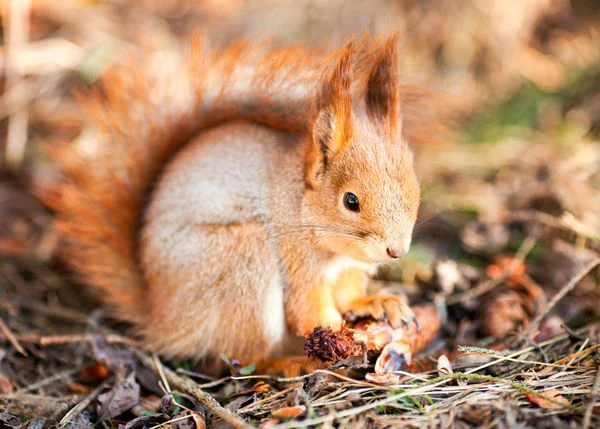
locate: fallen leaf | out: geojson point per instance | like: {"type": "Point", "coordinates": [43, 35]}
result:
{"type": "Point", "coordinates": [288, 412]}
{"type": "Point", "coordinates": [83, 420]}
{"type": "Point", "coordinates": [503, 263]}
{"type": "Point", "coordinates": [448, 276]}
{"type": "Point", "coordinates": [6, 386]}
{"type": "Point", "coordinates": [94, 373]}
{"type": "Point", "coordinates": [116, 359]}
{"type": "Point", "coordinates": [10, 420]}
{"type": "Point", "coordinates": [36, 424]}
{"type": "Point", "coordinates": [550, 327]}
{"type": "Point", "coordinates": [78, 388]}
{"type": "Point", "coordinates": [476, 415]}
{"type": "Point", "coordinates": [181, 422]}
{"type": "Point", "coordinates": [151, 403]}
{"type": "Point", "coordinates": [503, 313]}
{"type": "Point", "coordinates": [119, 399]}
{"type": "Point", "coordinates": [443, 366]}
{"type": "Point", "coordinates": [199, 419]}
{"type": "Point", "coordinates": [550, 399]}
{"type": "Point", "coordinates": [261, 387]}
{"type": "Point", "coordinates": [386, 379]}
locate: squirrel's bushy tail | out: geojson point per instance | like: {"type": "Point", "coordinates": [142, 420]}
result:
{"type": "Point", "coordinates": [140, 114]}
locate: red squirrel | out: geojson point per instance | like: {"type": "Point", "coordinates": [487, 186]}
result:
{"type": "Point", "coordinates": [236, 199]}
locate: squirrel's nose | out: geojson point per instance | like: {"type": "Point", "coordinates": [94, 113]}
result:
{"type": "Point", "coordinates": [398, 249]}
{"type": "Point", "coordinates": [395, 253]}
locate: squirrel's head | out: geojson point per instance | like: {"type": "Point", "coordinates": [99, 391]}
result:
{"type": "Point", "coordinates": [362, 194]}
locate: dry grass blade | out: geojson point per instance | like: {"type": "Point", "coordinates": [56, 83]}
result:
{"type": "Point", "coordinates": [533, 328]}
{"type": "Point", "coordinates": [12, 338]}
{"type": "Point", "coordinates": [51, 340]}
{"type": "Point", "coordinates": [62, 375]}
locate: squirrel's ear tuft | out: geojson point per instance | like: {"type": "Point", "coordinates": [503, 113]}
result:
{"type": "Point", "coordinates": [332, 127]}
{"type": "Point", "coordinates": [383, 88]}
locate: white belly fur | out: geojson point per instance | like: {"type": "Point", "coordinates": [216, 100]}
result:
{"type": "Point", "coordinates": [339, 264]}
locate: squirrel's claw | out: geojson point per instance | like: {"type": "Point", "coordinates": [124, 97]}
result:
{"type": "Point", "coordinates": [394, 308]}
{"type": "Point", "coordinates": [399, 312]}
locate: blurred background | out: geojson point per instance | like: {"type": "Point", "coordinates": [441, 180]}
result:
{"type": "Point", "coordinates": [522, 77]}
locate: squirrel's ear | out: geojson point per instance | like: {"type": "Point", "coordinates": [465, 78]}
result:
{"type": "Point", "coordinates": [383, 88]}
{"type": "Point", "coordinates": [332, 128]}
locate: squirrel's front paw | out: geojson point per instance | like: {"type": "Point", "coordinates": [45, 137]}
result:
{"type": "Point", "coordinates": [326, 318]}
{"type": "Point", "coordinates": [330, 318]}
{"type": "Point", "coordinates": [394, 308]}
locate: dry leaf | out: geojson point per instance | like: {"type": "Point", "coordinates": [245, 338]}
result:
{"type": "Point", "coordinates": [94, 373]}
{"type": "Point", "coordinates": [120, 398]}
{"type": "Point", "coordinates": [503, 313]}
{"type": "Point", "coordinates": [443, 366]}
{"type": "Point", "coordinates": [6, 386]}
{"type": "Point", "coordinates": [261, 387]}
{"type": "Point", "coordinates": [78, 388]}
{"type": "Point", "coordinates": [448, 276]}
{"type": "Point", "coordinates": [503, 263]}
{"type": "Point", "coordinates": [387, 379]}
{"type": "Point", "coordinates": [151, 403]}
{"type": "Point", "coordinates": [180, 422]}
{"type": "Point", "coordinates": [550, 399]}
{"type": "Point", "coordinates": [288, 412]}
{"type": "Point", "coordinates": [199, 419]}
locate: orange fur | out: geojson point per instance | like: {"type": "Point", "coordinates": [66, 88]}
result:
{"type": "Point", "coordinates": [147, 113]}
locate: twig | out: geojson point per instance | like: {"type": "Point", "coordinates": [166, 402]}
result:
{"type": "Point", "coordinates": [490, 284]}
{"type": "Point", "coordinates": [82, 405]}
{"type": "Point", "coordinates": [16, 29]}
{"type": "Point", "coordinates": [566, 222]}
{"type": "Point", "coordinates": [568, 287]}
{"type": "Point", "coordinates": [177, 419]}
{"type": "Point", "coordinates": [161, 372]}
{"type": "Point", "coordinates": [12, 338]}
{"type": "Point", "coordinates": [195, 374]}
{"type": "Point", "coordinates": [254, 405]}
{"type": "Point", "coordinates": [52, 340]}
{"type": "Point", "coordinates": [190, 387]}
{"type": "Point", "coordinates": [594, 396]}
{"type": "Point", "coordinates": [44, 382]}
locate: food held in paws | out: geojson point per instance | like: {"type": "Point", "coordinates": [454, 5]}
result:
{"type": "Point", "coordinates": [394, 347]}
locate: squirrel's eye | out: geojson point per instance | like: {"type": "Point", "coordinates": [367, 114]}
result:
{"type": "Point", "coordinates": [351, 202]}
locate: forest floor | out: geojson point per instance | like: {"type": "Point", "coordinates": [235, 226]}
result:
{"type": "Point", "coordinates": [507, 249]}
